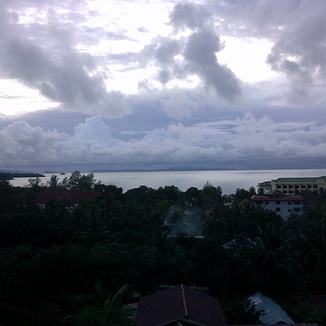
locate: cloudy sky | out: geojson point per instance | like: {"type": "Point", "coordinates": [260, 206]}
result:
{"type": "Point", "coordinates": [159, 84]}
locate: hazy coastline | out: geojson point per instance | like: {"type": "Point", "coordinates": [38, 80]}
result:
{"type": "Point", "coordinates": [228, 180]}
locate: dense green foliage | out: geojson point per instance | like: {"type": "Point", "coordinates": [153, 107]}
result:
{"type": "Point", "coordinates": [60, 266]}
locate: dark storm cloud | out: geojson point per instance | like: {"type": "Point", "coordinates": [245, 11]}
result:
{"type": "Point", "coordinates": [55, 68]}
{"type": "Point", "coordinates": [198, 51]}
{"type": "Point", "coordinates": [252, 18]}
{"type": "Point", "coordinates": [189, 15]}
{"type": "Point", "coordinates": [297, 30]}
{"type": "Point", "coordinates": [300, 50]}
{"type": "Point", "coordinates": [69, 52]}
{"type": "Point", "coordinates": [163, 51]}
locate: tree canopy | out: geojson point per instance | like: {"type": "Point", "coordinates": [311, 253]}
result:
{"type": "Point", "coordinates": [81, 266]}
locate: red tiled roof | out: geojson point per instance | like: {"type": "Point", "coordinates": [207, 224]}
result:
{"type": "Point", "coordinates": [73, 197]}
{"type": "Point", "coordinates": [280, 198]}
{"type": "Point", "coordinates": [179, 303]}
{"type": "Point", "coordinates": [276, 195]}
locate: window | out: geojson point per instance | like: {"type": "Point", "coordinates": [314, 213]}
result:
{"type": "Point", "coordinates": [278, 209]}
{"type": "Point", "coordinates": [291, 187]}
{"type": "Point", "coordinates": [285, 186]}
{"type": "Point", "coordinates": [296, 202]}
{"type": "Point", "coordinates": [266, 202]}
{"type": "Point", "coordinates": [289, 202]}
{"type": "Point", "coordinates": [296, 187]}
{"type": "Point", "coordinates": [309, 186]}
{"type": "Point", "coordinates": [278, 202]}
{"type": "Point", "coordinates": [291, 192]}
{"type": "Point", "coordinates": [278, 187]}
{"type": "Point", "coordinates": [289, 210]}
{"type": "Point", "coordinates": [297, 209]}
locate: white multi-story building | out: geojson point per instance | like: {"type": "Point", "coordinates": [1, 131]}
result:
{"type": "Point", "coordinates": [294, 185]}
{"type": "Point", "coordinates": [280, 203]}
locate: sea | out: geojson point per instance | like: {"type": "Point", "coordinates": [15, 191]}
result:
{"type": "Point", "coordinates": [229, 180]}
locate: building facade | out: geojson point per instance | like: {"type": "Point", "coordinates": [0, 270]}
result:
{"type": "Point", "coordinates": [280, 203]}
{"type": "Point", "coordinates": [291, 186]}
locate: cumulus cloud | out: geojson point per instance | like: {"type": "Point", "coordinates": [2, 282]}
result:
{"type": "Point", "coordinates": [300, 50]}
{"type": "Point", "coordinates": [193, 112]}
{"type": "Point", "coordinates": [179, 57]}
{"type": "Point", "coordinates": [23, 145]}
{"type": "Point", "coordinates": [189, 15]}
{"type": "Point", "coordinates": [44, 56]}
{"type": "Point", "coordinates": [297, 30]}
{"type": "Point", "coordinates": [242, 142]}
{"type": "Point", "coordinates": [200, 53]}
{"type": "Point", "coordinates": [256, 18]}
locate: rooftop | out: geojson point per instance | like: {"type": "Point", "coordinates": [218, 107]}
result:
{"type": "Point", "coordinates": [179, 304]}
{"type": "Point", "coordinates": [272, 313]}
{"type": "Point", "coordinates": [299, 179]}
{"type": "Point", "coordinates": [277, 195]}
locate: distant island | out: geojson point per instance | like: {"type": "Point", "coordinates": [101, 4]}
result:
{"type": "Point", "coordinates": [170, 169]}
{"type": "Point", "coordinates": [14, 175]}
{"type": "Point", "coordinates": [53, 172]}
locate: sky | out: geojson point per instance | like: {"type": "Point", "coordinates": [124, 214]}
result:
{"type": "Point", "coordinates": [95, 85]}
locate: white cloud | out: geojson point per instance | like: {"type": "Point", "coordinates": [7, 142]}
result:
{"type": "Point", "coordinates": [55, 68]}
{"type": "Point", "coordinates": [135, 84]}
{"type": "Point", "coordinates": [216, 143]}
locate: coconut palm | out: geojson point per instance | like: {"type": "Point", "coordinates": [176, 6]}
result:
{"type": "Point", "coordinates": [314, 235]}
{"type": "Point", "coordinates": [279, 261]}
{"type": "Point", "coordinates": [109, 312]}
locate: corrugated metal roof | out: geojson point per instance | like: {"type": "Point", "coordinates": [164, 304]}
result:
{"type": "Point", "coordinates": [272, 313]}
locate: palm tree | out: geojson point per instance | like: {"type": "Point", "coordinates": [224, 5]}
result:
{"type": "Point", "coordinates": [279, 261]}
{"type": "Point", "coordinates": [314, 235]}
{"type": "Point", "coordinates": [109, 312]}
{"type": "Point", "coordinates": [215, 224]}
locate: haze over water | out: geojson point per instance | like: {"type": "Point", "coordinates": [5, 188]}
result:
{"type": "Point", "coordinates": [229, 181]}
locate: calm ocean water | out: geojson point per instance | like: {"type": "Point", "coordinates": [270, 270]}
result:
{"type": "Point", "coordinates": [229, 181]}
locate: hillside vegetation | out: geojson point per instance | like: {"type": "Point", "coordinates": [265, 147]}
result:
{"type": "Point", "coordinates": [63, 266]}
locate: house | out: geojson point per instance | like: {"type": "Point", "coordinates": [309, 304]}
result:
{"type": "Point", "coordinates": [180, 305]}
{"type": "Point", "coordinates": [276, 201]}
{"type": "Point", "coordinates": [291, 186]}
{"type": "Point", "coordinates": [71, 198]}
{"type": "Point", "coordinates": [271, 312]}
{"type": "Point", "coordinates": [236, 245]}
